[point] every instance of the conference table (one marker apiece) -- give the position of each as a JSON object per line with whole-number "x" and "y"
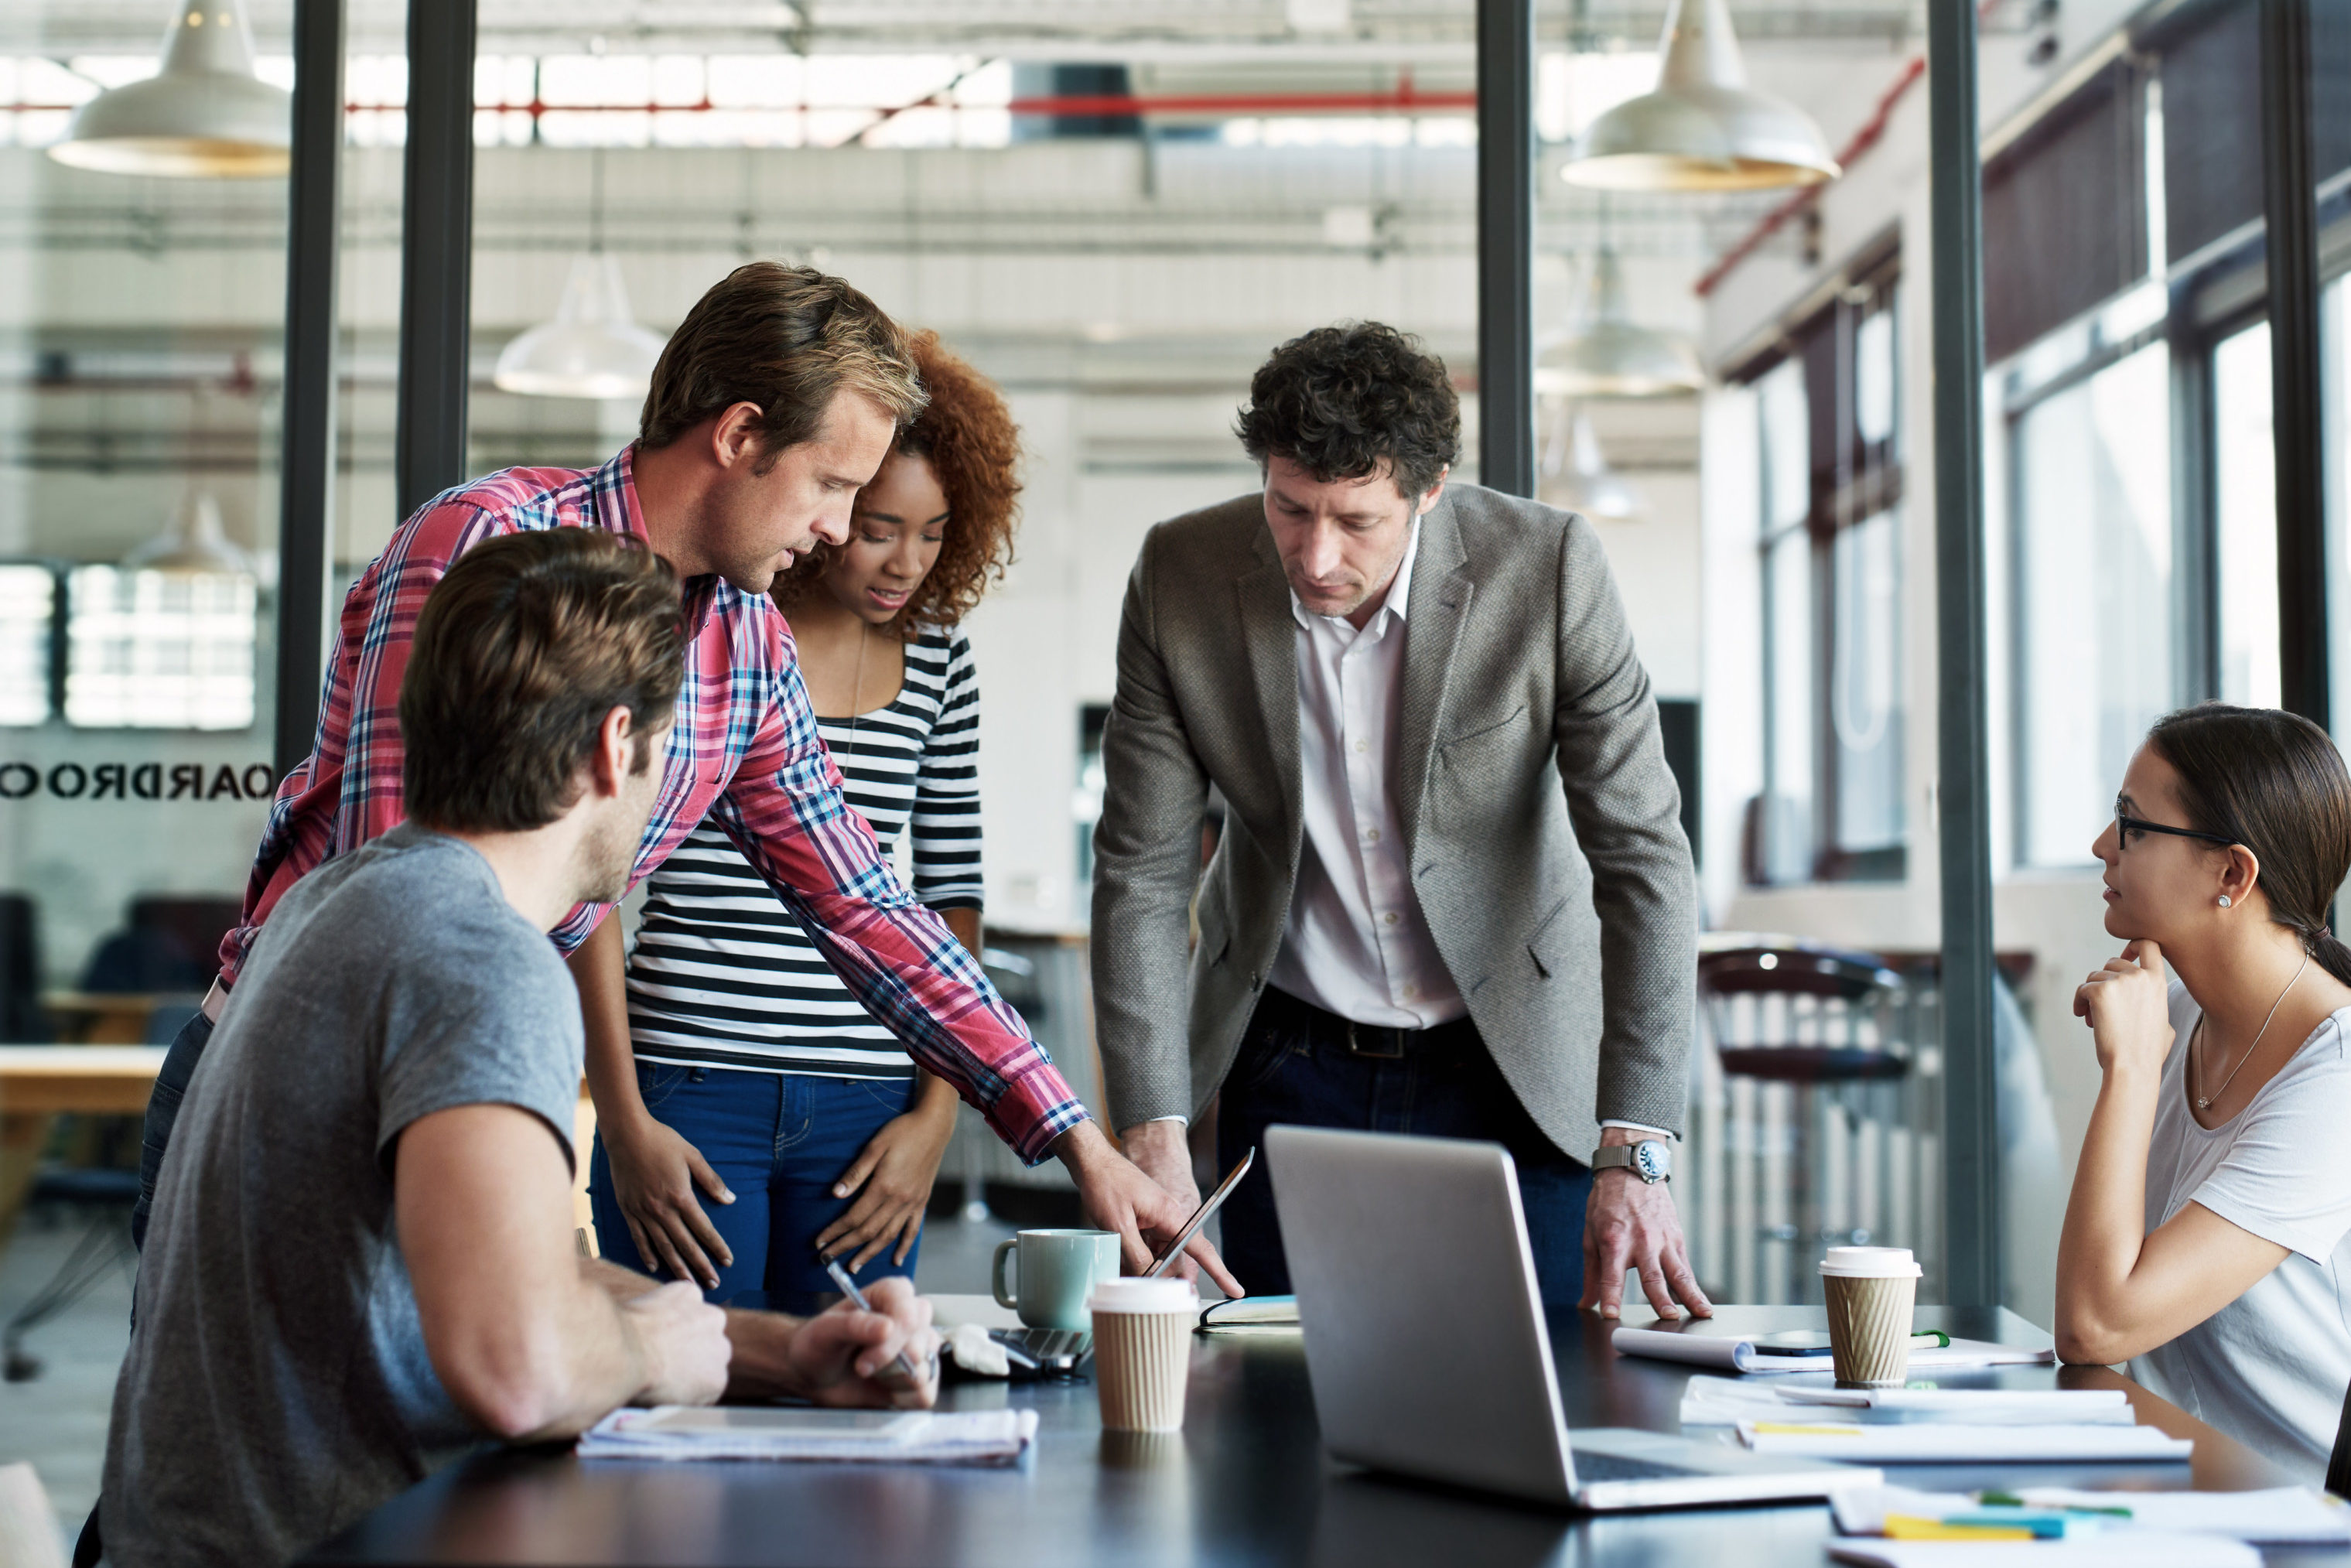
{"x": 1245, "y": 1482}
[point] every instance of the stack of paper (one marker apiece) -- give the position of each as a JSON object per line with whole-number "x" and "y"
{"x": 1727, "y": 1354}
{"x": 2139, "y": 1549}
{"x": 2282, "y": 1516}
{"x": 761, "y": 1432}
{"x": 1951, "y": 1442}
{"x": 1728, "y": 1401}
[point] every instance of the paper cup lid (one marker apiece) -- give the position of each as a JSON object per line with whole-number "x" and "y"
{"x": 1144, "y": 1296}
{"x": 1871, "y": 1263}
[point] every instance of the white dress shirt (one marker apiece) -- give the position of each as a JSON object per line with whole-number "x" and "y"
{"x": 1357, "y": 942}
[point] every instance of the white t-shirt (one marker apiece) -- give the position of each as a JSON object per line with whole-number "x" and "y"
{"x": 2270, "y": 1368}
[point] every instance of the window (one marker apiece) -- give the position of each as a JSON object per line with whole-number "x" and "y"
{"x": 29, "y": 597}
{"x": 159, "y": 649}
{"x": 2093, "y": 590}
{"x": 1831, "y": 808}
{"x": 2334, "y": 370}
{"x": 2245, "y": 514}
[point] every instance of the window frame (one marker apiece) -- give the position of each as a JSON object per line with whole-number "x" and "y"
{"x": 1859, "y": 482}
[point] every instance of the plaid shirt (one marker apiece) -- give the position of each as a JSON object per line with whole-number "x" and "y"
{"x": 744, "y": 752}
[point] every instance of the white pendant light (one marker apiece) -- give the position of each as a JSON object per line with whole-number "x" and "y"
{"x": 1704, "y": 129}
{"x": 1577, "y": 475}
{"x": 192, "y": 542}
{"x": 593, "y": 348}
{"x": 204, "y": 115}
{"x": 1612, "y": 356}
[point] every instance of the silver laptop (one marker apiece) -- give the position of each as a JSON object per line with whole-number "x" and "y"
{"x": 1425, "y": 1341}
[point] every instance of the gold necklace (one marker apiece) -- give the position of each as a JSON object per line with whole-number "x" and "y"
{"x": 2204, "y": 1102}
{"x": 857, "y": 690}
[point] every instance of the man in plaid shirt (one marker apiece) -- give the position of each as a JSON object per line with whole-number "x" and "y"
{"x": 774, "y": 403}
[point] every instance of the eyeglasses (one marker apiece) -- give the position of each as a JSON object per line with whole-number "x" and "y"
{"x": 2126, "y": 824}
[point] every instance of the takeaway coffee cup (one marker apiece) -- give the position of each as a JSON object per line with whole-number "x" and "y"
{"x": 1143, "y": 1352}
{"x": 1870, "y": 1292}
{"x": 1057, "y": 1269}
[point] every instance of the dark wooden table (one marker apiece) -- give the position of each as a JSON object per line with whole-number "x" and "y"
{"x": 1245, "y": 1482}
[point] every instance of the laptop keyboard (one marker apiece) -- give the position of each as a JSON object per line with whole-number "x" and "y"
{"x": 1591, "y": 1467}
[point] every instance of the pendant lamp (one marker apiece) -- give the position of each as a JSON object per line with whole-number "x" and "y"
{"x": 204, "y": 115}
{"x": 1577, "y": 475}
{"x": 593, "y": 348}
{"x": 192, "y": 542}
{"x": 1704, "y": 129}
{"x": 1611, "y": 355}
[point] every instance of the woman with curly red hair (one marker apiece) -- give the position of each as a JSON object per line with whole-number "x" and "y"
{"x": 806, "y": 1125}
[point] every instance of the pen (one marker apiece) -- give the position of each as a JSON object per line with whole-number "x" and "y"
{"x": 2009, "y": 1499}
{"x": 849, "y": 1288}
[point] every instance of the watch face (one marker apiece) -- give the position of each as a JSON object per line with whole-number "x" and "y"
{"x": 1653, "y": 1161}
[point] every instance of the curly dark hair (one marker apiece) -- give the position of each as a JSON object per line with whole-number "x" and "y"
{"x": 968, "y": 436}
{"x": 1341, "y": 401}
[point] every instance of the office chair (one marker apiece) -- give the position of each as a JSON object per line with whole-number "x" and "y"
{"x": 22, "y": 1021}
{"x": 2338, "y": 1464}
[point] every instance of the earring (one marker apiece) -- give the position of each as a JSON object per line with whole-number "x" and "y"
{"x": 2224, "y": 901}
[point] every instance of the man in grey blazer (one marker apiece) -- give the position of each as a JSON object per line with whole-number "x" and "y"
{"x": 1452, "y": 895}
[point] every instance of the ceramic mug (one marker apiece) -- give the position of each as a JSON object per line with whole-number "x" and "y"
{"x": 1057, "y": 1269}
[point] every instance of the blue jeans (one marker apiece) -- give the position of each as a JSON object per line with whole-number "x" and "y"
{"x": 1295, "y": 1066}
{"x": 779, "y": 1141}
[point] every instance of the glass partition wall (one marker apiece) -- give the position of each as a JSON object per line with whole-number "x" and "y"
{"x": 141, "y": 399}
{"x": 1115, "y": 219}
{"x": 1117, "y": 233}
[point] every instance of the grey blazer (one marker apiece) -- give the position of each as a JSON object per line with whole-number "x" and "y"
{"x": 1563, "y": 903}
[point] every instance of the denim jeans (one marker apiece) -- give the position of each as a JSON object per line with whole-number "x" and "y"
{"x": 779, "y": 1141}
{"x": 1295, "y": 1067}
{"x": 162, "y": 1110}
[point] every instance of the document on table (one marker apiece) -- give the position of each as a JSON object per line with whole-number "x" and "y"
{"x": 1951, "y": 1442}
{"x": 2137, "y": 1549}
{"x": 1728, "y": 1354}
{"x": 770, "y": 1432}
{"x": 2280, "y": 1516}
{"x": 1727, "y": 1401}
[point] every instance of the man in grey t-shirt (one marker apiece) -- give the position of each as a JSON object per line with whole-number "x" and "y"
{"x": 366, "y": 1262}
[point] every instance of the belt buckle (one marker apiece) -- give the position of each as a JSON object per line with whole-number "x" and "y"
{"x": 1356, "y": 1047}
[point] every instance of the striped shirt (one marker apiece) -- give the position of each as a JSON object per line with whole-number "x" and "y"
{"x": 743, "y": 753}
{"x": 723, "y": 975}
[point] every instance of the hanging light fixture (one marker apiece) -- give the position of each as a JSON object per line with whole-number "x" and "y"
{"x": 204, "y": 115}
{"x": 1611, "y": 355}
{"x": 594, "y": 347}
{"x": 1704, "y": 129}
{"x": 192, "y": 542}
{"x": 1577, "y": 475}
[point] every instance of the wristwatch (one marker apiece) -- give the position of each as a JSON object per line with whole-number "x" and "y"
{"x": 1650, "y": 1160}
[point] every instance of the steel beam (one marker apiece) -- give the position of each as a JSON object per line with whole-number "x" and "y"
{"x": 1963, "y": 796}
{"x": 306, "y": 509}
{"x": 436, "y": 252}
{"x": 1506, "y": 245}
{"x": 2290, "y": 211}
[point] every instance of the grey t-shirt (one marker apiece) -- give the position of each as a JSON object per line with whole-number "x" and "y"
{"x": 278, "y": 1384}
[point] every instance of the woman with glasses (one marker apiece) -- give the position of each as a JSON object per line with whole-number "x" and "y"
{"x": 2205, "y": 1242}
